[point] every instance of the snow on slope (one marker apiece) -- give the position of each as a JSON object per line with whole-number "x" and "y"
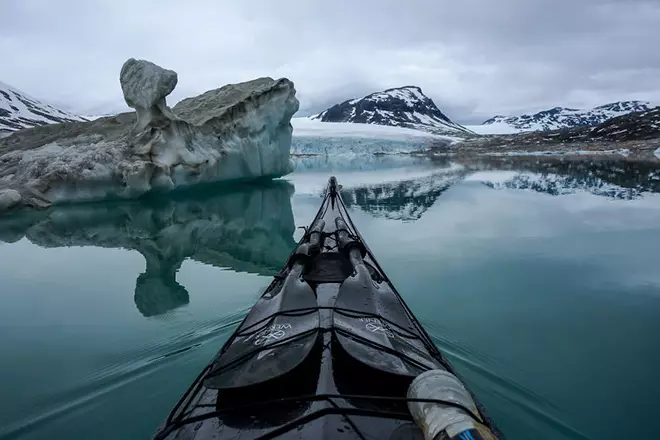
{"x": 313, "y": 137}
{"x": 559, "y": 117}
{"x": 403, "y": 107}
{"x": 19, "y": 110}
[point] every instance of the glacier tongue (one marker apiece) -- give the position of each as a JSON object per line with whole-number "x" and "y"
{"x": 238, "y": 132}
{"x": 313, "y": 137}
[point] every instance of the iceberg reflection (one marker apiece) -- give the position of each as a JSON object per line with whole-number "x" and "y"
{"x": 247, "y": 229}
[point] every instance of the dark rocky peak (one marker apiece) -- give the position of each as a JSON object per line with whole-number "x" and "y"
{"x": 405, "y": 106}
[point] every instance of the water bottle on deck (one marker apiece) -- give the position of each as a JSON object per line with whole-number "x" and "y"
{"x": 445, "y": 422}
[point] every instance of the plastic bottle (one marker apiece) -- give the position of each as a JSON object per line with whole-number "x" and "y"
{"x": 438, "y": 421}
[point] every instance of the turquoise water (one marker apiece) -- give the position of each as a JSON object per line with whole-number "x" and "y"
{"x": 539, "y": 280}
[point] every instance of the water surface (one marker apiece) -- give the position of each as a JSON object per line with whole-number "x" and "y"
{"x": 538, "y": 278}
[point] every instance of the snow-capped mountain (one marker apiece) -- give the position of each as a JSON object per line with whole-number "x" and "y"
{"x": 403, "y": 107}
{"x": 19, "y": 110}
{"x": 642, "y": 125}
{"x": 561, "y": 117}
{"x": 637, "y": 133}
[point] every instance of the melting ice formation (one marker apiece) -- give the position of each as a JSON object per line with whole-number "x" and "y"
{"x": 248, "y": 229}
{"x": 237, "y": 132}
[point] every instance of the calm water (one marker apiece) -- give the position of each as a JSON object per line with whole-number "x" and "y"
{"x": 540, "y": 280}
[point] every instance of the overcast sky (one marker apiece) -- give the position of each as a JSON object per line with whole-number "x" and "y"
{"x": 475, "y": 58}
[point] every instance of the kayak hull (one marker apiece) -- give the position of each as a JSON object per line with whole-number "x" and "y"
{"x": 328, "y": 351}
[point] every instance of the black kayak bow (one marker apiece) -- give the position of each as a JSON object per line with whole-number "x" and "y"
{"x": 329, "y": 350}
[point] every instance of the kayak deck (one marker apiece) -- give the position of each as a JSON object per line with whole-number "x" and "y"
{"x": 328, "y": 351}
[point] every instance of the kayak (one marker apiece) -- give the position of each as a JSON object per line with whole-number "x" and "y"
{"x": 330, "y": 350}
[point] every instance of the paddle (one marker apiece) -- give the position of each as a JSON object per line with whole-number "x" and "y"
{"x": 377, "y": 331}
{"x": 277, "y": 335}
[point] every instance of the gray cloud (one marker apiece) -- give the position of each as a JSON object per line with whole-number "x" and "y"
{"x": 475, "y": 58}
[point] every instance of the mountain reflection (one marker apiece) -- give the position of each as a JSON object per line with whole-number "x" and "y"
{"x": 409, "y": 198}
{"x": 405, "y": 200}
{"x": 248, "y": 229}
{"x": 615, "y": 178}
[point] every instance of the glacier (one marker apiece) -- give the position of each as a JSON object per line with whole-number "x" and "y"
{"x": 315, "y": 138}
{"x": 237, "y": 132}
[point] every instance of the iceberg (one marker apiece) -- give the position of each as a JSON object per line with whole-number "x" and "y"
{"x": 237, "y": 132}
{"x": 249, "y": 229}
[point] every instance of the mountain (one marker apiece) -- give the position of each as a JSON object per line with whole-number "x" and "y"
{"x": 402, "y": 107}
{"x": 636, "y": 134}
{"x": 562, "y": 117}
{"x": 19, "y": 110}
